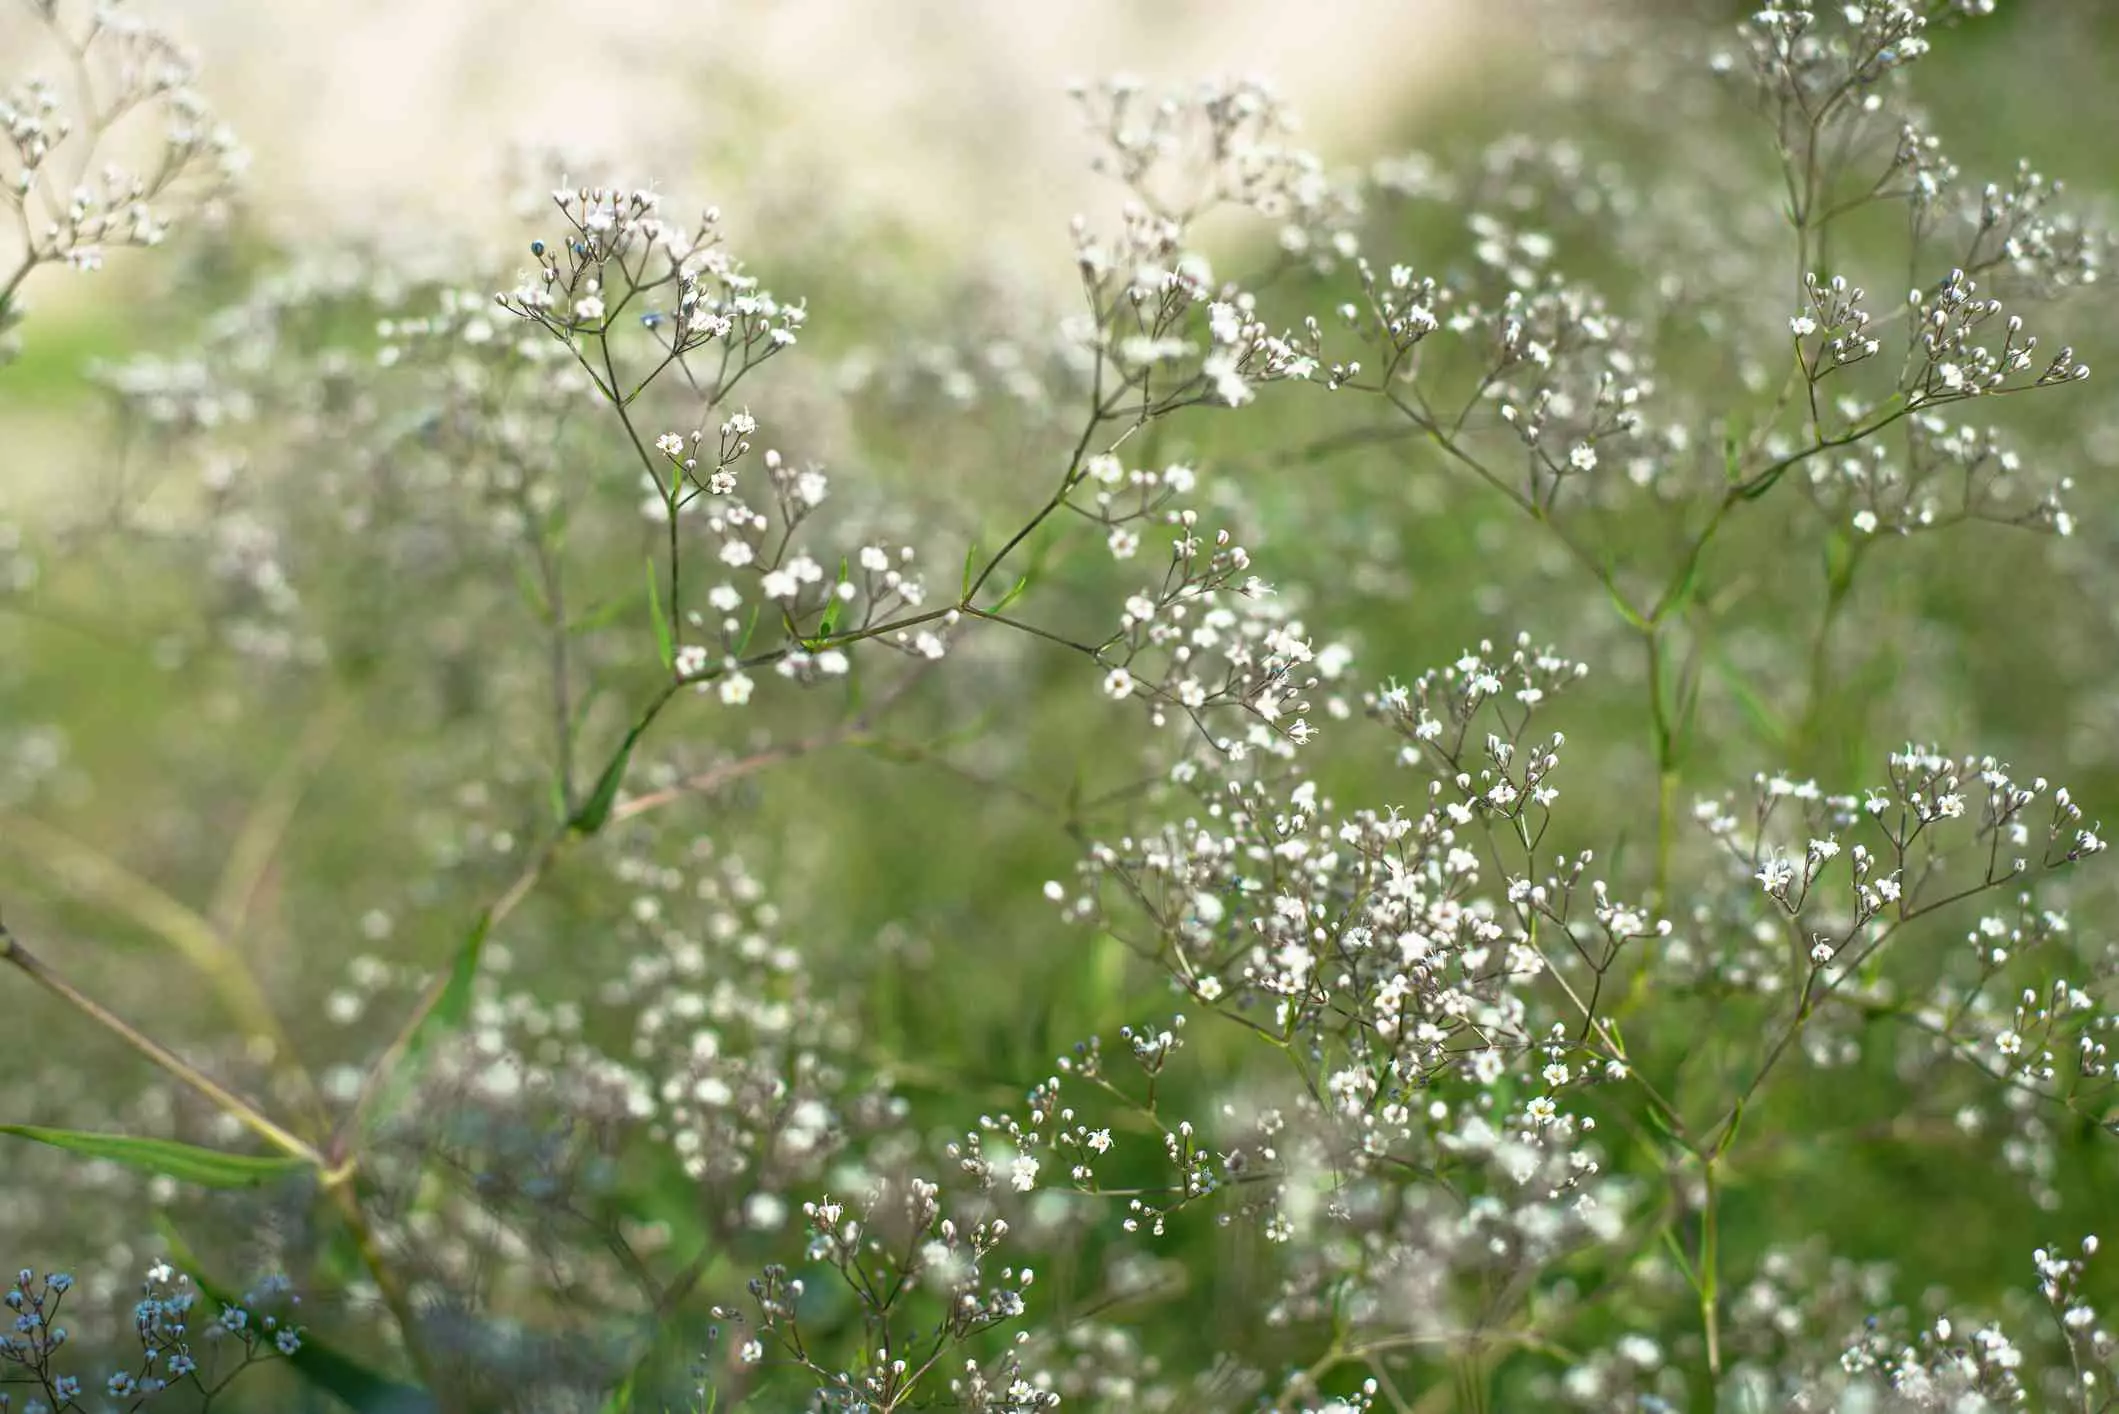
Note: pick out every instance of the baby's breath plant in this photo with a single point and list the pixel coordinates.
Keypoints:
(107, 143)
(682, 855)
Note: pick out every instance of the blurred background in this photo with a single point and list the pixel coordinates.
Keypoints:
(948, 121)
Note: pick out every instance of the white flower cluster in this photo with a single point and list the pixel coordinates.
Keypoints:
(1224, 143)
(1902, 870)
(1155, 310)
(1209, 633)
(1564, 374)
(1948, 473)
(55, 135)
(621, 252)
(1944, 1366)
(925, 1281)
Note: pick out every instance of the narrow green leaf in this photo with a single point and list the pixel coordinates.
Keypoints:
(1624, 608)
(1677, 1252)
(621, 1400)
(664, 649)
(971, 561)
(1763, 483)
(1014, 593)
(1660, 1124)
(1678, 598)
(1736, 1122)
(454, 1005)
(353, 1384)
(836, 608)
(188, 1163)
(597, 808)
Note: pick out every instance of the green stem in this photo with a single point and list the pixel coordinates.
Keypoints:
(396, 1298)
(225, 1100)
(1710, 1256)
(1664, 747)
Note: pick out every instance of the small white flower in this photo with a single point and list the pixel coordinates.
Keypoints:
(736, 689)
(1118, 684)
(1228, 380)
(1022, 1173)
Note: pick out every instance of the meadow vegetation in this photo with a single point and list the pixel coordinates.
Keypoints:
(1470, 783)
